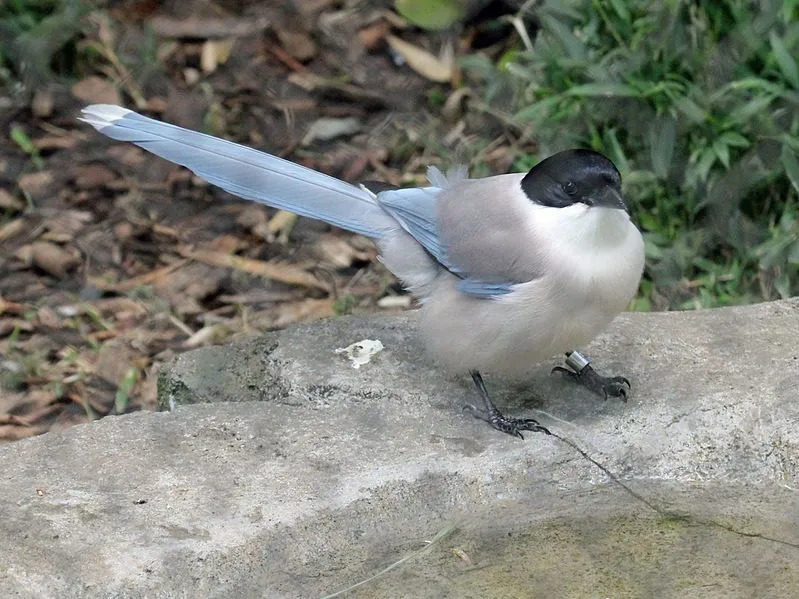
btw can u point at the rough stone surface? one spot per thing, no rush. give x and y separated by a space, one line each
284 472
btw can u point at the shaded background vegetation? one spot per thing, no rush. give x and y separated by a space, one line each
697 103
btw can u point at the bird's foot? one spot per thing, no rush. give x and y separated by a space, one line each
511 426
491 415
581 371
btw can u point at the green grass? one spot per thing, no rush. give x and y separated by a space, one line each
38 39
697 103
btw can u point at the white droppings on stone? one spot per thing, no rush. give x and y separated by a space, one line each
361 352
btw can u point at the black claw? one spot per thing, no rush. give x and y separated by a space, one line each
605 386
491 415
510 426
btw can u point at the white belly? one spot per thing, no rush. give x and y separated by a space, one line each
582 288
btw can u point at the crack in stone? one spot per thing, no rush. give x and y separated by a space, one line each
665 512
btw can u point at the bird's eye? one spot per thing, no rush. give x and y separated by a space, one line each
570 188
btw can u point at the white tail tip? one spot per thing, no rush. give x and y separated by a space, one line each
102 115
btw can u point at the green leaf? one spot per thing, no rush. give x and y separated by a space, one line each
19 137
793 254
616 152
431 14
722 150
652 250
575 49
748 83
736 140
744 112
125 389
706 160
538 110
621 10
788 8
607 90
640 177
690 109
784 59
662 137
783 286
791 165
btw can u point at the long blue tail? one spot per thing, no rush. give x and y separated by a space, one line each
248 173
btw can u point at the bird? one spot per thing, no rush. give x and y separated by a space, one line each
508 270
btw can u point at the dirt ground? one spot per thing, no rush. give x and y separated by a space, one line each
112 260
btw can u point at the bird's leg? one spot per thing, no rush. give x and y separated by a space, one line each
490 413
579 369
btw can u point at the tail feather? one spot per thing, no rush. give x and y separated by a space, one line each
248 173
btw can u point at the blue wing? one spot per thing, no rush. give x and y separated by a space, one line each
479 288
415 210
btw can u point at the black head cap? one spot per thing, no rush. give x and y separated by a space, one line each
575 176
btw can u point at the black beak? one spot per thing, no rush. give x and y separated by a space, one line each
607 197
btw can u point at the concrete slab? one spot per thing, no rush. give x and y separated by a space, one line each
284 472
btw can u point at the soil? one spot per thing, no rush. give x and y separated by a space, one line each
113 260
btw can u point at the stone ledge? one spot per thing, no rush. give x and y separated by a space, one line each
284 472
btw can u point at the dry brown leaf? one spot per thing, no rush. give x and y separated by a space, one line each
393 302
10 432
326 129
186 287
128 155
9 202
116 306
252 215
373 34
149 278
303 311
55 142
280 226
42 102
11 307
215 53
47 317
191 75
12 229
7 325
453 107
37 185
439 69
102 335
205 336
259 296
285 273
337 251
52 258
458 552
41 410
93 175
228 243
157 103
6 418
147 396
298 44
62 225
114 359
96 90
204 28
31 405
311 82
